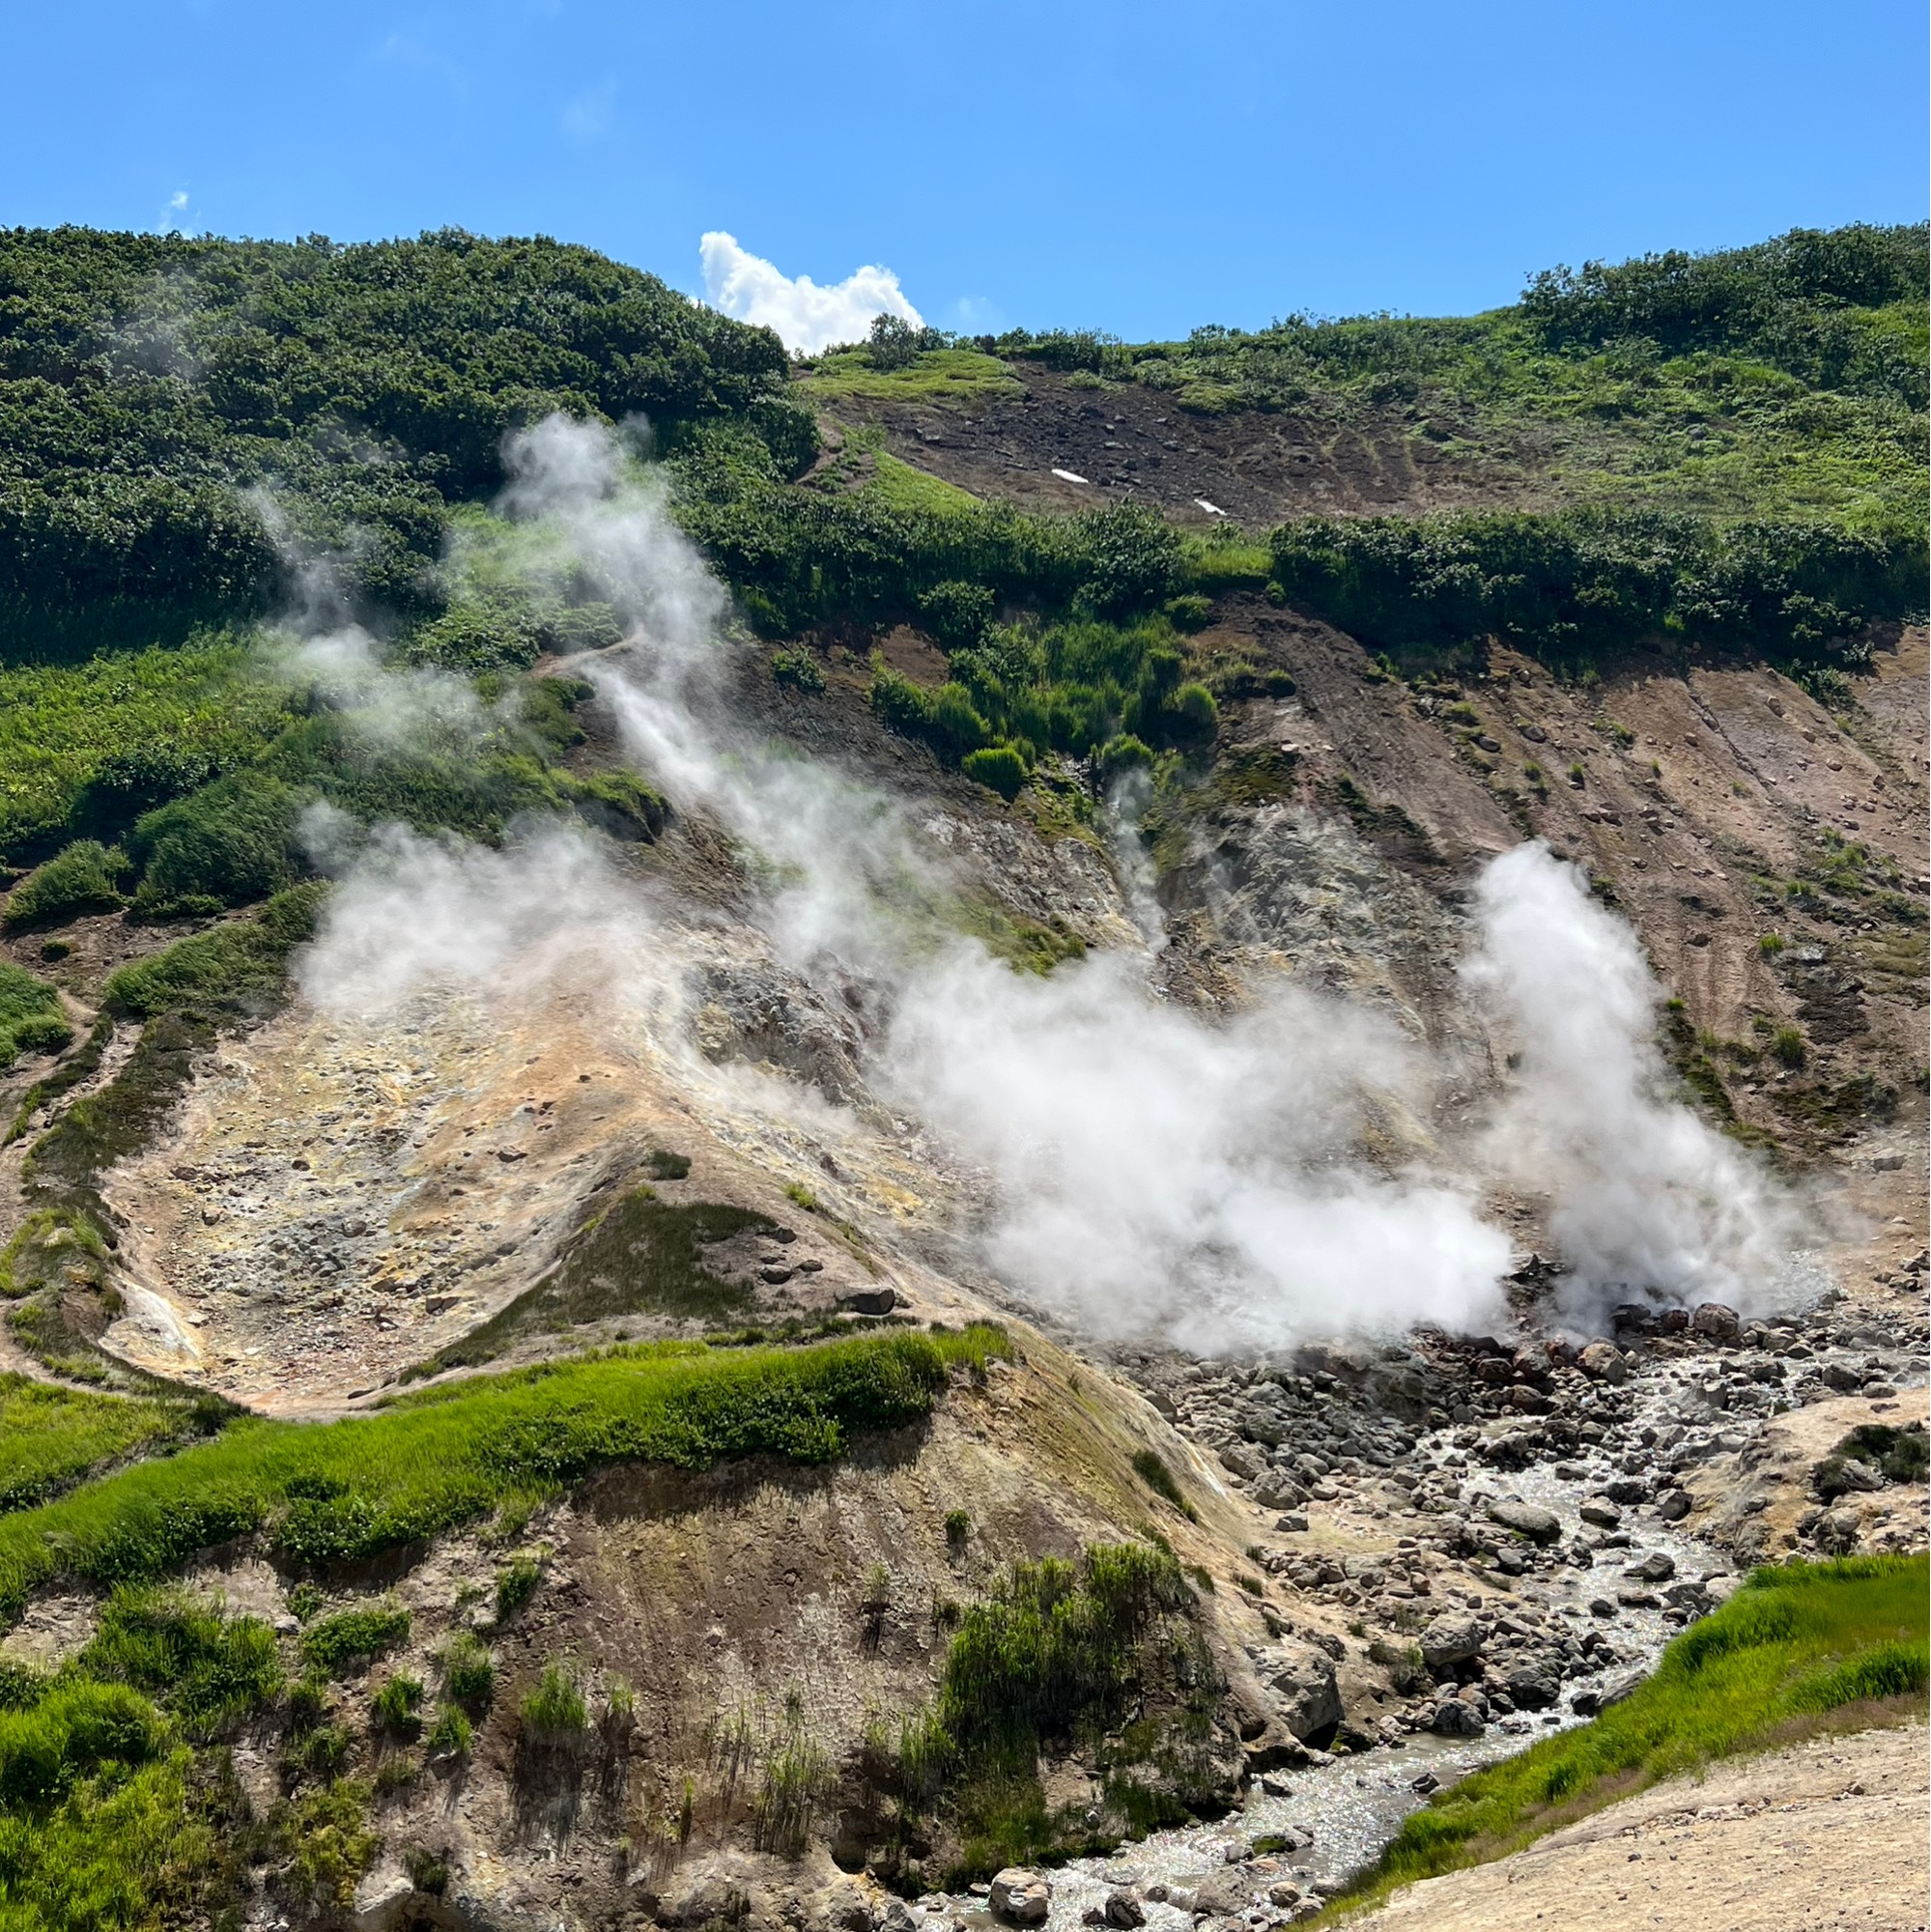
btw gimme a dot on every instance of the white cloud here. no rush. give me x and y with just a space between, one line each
178 199
806 317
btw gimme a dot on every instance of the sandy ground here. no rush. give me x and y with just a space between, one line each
1832 1833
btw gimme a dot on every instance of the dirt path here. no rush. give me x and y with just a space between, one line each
1827 1834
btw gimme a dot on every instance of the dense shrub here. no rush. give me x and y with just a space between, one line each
224 846
999 768
1566 585
957 614
290 361
85 876
894 342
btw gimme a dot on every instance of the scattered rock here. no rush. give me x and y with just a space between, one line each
1124 1909
1603 1515
879 1301
1657 1567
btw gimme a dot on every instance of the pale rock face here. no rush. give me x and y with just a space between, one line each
1020 1897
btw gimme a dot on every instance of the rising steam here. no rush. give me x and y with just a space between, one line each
1151 1172
1643 1194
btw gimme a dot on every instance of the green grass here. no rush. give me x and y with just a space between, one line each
1788 1649
552 1714
52 1437
351 1639
901 487
350 1490
209 1670
32 1019
938 376
236 966
65 729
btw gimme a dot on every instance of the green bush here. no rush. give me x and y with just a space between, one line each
999 768
958 616
1563 586
797 668
32 1018
353 1638
450 1734
469 1671
396 1705
225 845
1789 1048
85 876
552 1714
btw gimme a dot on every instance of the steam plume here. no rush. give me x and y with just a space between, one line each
1150 1173
1643 1193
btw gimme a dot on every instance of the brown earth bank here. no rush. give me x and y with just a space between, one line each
1831 1832
1139 444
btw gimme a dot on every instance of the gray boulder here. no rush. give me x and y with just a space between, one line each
1307 1697
1020 1897
1452 1638
1539 1526
1533 1687
1453 1718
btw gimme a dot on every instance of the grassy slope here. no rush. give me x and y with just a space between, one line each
352 1488
115 1807
1791 1647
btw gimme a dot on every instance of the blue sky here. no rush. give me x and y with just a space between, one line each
1126 166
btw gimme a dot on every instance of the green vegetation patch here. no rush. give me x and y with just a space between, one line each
32 1018
85 876
52 1437
954 374
640 1256
1105 1656
350 1490
1895 1455
1789 1648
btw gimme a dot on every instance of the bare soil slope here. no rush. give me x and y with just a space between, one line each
1829 1832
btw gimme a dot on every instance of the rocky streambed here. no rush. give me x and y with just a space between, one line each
1506 1531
